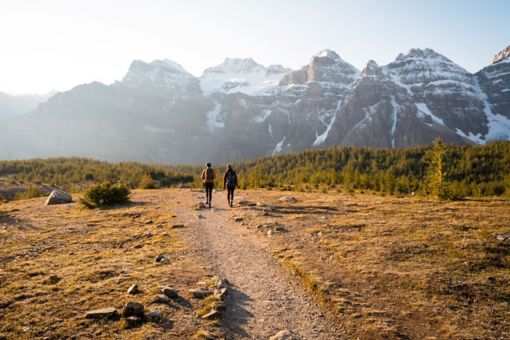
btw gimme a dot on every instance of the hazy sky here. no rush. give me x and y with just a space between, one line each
57 44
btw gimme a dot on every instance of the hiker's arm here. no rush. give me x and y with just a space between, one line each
202 176
225 180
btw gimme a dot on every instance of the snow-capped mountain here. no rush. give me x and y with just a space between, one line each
241 109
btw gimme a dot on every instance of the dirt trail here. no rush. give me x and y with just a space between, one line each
264 298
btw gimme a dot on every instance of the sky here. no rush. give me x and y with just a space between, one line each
54 45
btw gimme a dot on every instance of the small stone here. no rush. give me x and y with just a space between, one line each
133 289
199 293
133 321
289 199
160 258
178 225
200 206
149 222
52 280
148 234
280 229
269 232
132 308
282 335
213 314
238 219
154 316
170 292
160 298
104 313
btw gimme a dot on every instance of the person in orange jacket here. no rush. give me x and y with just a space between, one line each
209 177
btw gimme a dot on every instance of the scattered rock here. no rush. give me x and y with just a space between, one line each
282 335
280 229
199 293
199 217
148 234
213 314
133 321
502 238
245 203
170 292
161 258
160 298
154 316
260 204
178 225
52 280
149 222
132 308
289 199
200 206
238 219
104 313
58 197
133 289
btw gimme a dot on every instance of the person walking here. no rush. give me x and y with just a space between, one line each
209 177
230 183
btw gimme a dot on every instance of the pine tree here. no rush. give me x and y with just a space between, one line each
436 182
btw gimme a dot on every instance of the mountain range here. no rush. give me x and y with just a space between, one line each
240 109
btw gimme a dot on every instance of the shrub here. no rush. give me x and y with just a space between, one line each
105 194
147 182
32 192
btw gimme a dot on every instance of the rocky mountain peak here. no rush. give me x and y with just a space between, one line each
427 53
236 65
164 74
328 54
502 55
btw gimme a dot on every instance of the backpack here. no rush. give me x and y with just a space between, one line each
231 179
209 175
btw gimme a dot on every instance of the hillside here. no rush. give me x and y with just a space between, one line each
321 265
240 110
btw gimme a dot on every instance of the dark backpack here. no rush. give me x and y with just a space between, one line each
231 179
209 175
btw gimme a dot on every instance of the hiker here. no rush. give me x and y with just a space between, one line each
230 182
208 176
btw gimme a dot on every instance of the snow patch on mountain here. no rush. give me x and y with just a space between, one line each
319 139
213 117
278 148
394 116
423 111
241 75
499 125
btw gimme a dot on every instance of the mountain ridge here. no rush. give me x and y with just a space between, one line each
241 109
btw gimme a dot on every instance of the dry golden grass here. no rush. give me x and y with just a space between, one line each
397 267
58 262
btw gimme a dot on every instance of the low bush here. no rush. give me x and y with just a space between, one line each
105 194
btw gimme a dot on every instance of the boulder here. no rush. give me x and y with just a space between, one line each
58 197
154 316
104 313
132 308
178 225
238 219
161 298
170 292
133 321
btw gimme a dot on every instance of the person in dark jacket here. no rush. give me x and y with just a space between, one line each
230 183
208 176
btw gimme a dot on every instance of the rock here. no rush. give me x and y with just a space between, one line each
199 217
149 222
133 289
133 321
170 292
161 258
245 203
178 225
52 280
199 293
200 206
160 298
280 229
289 199
270 232
148 234
58 197
282 335
154 316
238 219
104 313
132 308
213 314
